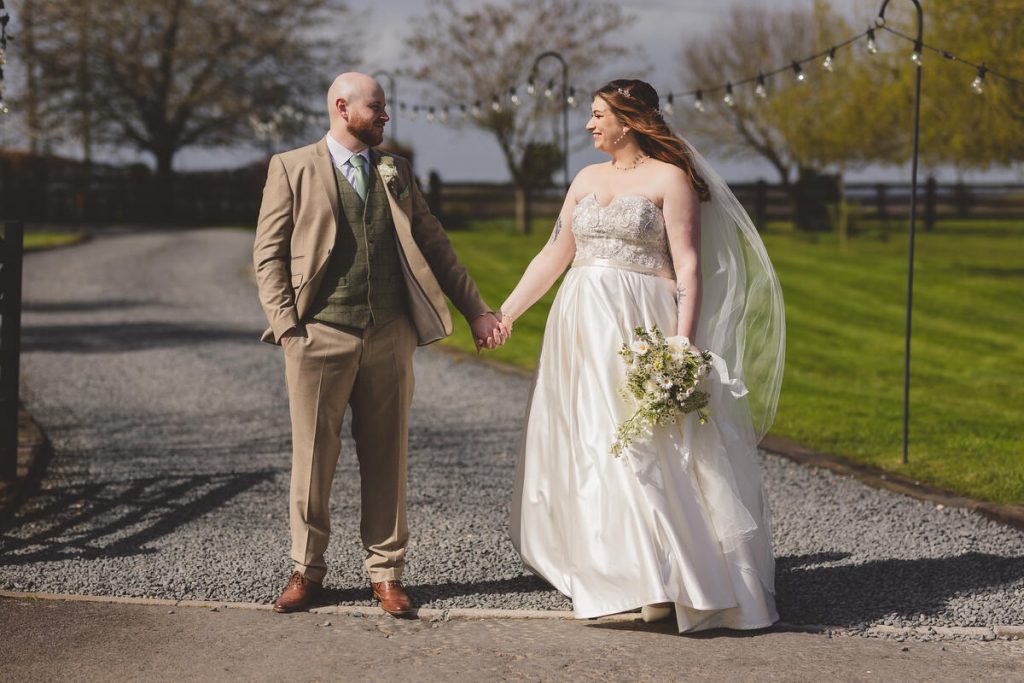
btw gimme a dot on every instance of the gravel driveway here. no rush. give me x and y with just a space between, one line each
170 476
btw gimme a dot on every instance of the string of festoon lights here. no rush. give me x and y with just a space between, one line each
5 18
699 97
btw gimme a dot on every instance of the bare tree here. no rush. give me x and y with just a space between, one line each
475 54
163 75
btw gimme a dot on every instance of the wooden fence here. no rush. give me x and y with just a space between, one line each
49 190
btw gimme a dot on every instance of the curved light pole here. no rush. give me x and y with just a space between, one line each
565 106
392 97
918 44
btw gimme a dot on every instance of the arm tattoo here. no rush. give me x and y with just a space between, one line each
680 291
556 231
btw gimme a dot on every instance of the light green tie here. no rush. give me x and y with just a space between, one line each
359 162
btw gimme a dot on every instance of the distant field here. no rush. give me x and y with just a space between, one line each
844 370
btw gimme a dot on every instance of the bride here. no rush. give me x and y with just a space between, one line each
679 523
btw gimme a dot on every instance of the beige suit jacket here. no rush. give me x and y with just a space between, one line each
295 236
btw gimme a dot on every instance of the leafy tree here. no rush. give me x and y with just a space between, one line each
474 54
830 121
163 75
958 127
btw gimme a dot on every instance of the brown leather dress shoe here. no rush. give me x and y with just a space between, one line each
393 598
298 594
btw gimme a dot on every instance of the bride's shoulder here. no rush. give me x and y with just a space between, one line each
583 182
589 171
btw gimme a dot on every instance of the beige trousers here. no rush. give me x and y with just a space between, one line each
327 370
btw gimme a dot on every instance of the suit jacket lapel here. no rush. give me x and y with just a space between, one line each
324 169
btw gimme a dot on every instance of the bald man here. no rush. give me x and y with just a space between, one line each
352 270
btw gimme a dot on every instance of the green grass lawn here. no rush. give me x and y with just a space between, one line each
46 240
844 364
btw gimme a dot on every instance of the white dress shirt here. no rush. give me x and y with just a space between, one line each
340 156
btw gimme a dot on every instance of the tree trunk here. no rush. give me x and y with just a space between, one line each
524 209
163 199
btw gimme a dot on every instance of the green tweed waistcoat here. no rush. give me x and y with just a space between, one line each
363 284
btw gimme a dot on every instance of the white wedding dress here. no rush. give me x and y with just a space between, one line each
681 516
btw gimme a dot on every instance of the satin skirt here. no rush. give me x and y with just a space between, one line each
680 517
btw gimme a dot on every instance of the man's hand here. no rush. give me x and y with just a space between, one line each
487 331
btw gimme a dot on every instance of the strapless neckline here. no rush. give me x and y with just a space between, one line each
620 197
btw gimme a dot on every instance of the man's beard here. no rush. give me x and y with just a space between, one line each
365 132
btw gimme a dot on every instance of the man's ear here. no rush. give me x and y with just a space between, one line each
341 106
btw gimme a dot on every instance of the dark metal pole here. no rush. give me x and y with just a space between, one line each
11 249
393 99
918 44
565 108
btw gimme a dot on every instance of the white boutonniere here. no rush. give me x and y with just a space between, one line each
389 174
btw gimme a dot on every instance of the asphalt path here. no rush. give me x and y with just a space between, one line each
169 421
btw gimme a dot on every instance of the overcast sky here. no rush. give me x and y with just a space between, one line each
662 28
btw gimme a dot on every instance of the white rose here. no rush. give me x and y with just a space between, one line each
678 343
387 169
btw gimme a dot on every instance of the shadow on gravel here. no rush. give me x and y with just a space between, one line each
113 337
82 306
425 593
114 519
856 594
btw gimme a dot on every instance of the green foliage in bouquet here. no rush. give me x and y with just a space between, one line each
663 378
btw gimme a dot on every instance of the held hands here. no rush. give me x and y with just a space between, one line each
488 331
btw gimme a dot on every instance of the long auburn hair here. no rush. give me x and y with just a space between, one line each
635 104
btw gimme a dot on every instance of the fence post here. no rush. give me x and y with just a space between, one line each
962 199
881 203
761 204
11 252
930 200
434 191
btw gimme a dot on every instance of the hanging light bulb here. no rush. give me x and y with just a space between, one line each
830 61
799 72
698 101
549 92
916 57
430 115
477 108
729 100
669 108
760 89
531 87
513 97
571 99
415 113
978 84
495 104
872 45
443 118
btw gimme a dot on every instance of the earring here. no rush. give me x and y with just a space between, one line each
619 139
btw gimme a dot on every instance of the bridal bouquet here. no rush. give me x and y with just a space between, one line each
662 376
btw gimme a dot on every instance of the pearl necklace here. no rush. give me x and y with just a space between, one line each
638 160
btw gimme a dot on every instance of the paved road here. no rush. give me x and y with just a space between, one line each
81 642
169 421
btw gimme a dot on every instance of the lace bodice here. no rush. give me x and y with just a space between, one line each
630 230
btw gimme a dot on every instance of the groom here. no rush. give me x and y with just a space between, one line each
352 269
